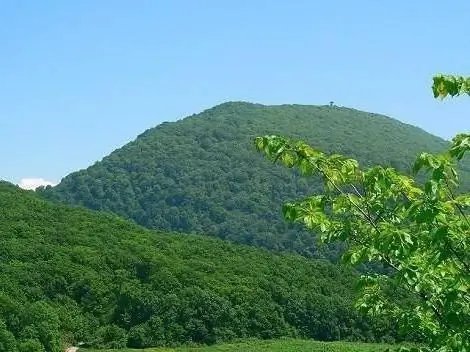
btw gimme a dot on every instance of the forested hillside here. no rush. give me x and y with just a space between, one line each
70 274
202 174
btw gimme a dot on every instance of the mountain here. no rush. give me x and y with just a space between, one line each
69 274
203 175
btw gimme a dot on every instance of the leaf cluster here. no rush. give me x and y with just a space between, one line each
420 231
450 85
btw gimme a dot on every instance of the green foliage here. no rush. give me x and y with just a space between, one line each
419 231
445 85
287 345
200 175
73 275
39 321
110 336
7 339
31 345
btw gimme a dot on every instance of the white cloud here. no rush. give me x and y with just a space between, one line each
33 183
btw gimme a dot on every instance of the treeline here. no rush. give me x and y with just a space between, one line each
70 275
202 174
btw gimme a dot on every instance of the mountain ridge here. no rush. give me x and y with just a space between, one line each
201 174
249 103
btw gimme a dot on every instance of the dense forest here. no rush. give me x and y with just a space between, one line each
202 174
68 274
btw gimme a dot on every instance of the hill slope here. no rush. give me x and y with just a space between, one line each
72 274
202 174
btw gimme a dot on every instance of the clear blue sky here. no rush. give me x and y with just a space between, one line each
81 78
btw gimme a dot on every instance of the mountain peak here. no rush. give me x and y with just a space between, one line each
202 174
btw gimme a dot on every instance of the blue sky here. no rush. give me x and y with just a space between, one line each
81 78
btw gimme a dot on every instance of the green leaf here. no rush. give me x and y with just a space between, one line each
414 228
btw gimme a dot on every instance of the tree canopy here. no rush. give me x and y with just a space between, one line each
71 275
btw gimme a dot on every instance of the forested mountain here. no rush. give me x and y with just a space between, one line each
202 174
70 274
